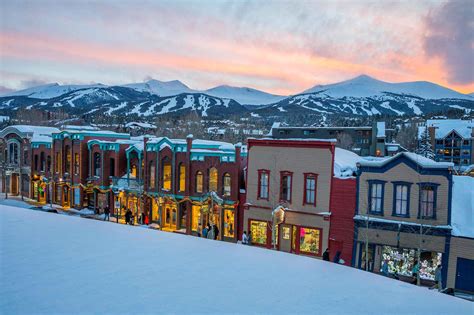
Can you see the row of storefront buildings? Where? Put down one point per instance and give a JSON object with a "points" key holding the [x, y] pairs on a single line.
{"points": [[301, 196]]}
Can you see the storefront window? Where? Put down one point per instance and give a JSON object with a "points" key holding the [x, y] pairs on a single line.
{"points": [[309, 240], [229, 227], [196, 218], [286, 233], [259, 232], [77, 196], [152, 175], [401, 261]]}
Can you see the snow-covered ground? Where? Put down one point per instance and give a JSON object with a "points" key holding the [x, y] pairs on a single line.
{"points": [[52, 263]]}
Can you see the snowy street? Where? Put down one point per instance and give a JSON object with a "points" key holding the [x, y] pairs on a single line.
{"points": [[52, 263]]}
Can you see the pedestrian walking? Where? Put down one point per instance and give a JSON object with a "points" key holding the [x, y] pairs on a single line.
{"points": [[249, 238], [216, 231], [245, 239], [326, 255], [128, 217], [205, 231], [210, 233], [337, 257], [385, 268], [415, 271], [146, 220], [106, 213], [438, 278]]}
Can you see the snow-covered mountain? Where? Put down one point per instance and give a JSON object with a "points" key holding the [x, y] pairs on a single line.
{"points": [[50, 90], [365, 86], [161, 88], [244, 95]]}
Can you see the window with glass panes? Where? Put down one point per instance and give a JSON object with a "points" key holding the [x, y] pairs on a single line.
{"points": [[285, 186], [263, 184], [227, 184], [259, 232], [401, 200], [310, 189], [199, 182], [376, 197], [427, 201]]}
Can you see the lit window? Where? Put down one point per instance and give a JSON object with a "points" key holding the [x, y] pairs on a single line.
{"points": [[167, 176], [229, 227], [133, 172], [152, 175], [263, 184], [97, 164], [310, 189], [428, 201], [182, 177], [285, 186], [196, 218], [309, 241], [68, 159], [259, 232], [76, 163], [213, 179], [227, 184], [199, 182]]}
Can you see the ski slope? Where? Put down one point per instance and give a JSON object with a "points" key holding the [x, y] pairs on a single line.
{"points": [[52, 263]]}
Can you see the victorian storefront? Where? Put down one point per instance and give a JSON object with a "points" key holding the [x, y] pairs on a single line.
{"points": [[189, 184]]}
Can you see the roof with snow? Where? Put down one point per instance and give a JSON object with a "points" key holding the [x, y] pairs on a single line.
{"points": [[28, 131], [443, 127], [418, 159], [135, 124], [462, 207], [345, 163]]}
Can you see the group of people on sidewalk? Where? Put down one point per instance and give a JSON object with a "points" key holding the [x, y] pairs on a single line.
{"points": [[130, 218], [247, 238], [210, 232]]}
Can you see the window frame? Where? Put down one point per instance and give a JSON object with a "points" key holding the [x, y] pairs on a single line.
{"points": [[211, 178], [298, 234], [224, 185], [435, 198], [305, 191], [290, 192], [370, 183], [196, 176], [259, 190], [394, 204], [182, 177]]}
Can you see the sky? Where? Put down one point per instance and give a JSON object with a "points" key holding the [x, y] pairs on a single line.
{"points": [[282, 47]]}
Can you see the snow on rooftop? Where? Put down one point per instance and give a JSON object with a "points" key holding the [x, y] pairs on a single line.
{"points": [[462, 208], [135, 124], [444, 127], [420, 160], [103, 267], [299, 139], [31, 129], [345, 163]]}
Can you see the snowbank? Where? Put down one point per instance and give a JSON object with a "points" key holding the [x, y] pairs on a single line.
{"points": [[63, 264], [462, 207]]}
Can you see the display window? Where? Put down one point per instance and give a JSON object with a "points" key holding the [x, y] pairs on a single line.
{"points": [[401, 261], [259, 232], [229, 226], [310, 240], [196, 218]]}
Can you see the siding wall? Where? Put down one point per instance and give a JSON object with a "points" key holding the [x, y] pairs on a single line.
{"points": [[460, 247]]}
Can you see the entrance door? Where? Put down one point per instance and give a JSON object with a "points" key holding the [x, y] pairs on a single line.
{"points": [[14, 184], [464, 274], [370, 257], [285, 237], [170, 218]]}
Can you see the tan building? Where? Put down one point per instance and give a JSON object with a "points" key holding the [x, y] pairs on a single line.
{"points": [[297, 175], [404, 206]]}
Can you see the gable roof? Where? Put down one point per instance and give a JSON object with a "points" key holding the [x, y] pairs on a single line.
{"points": [[419, 160]]}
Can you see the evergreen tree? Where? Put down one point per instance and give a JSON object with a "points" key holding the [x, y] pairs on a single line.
{"points": [[424, 145]]}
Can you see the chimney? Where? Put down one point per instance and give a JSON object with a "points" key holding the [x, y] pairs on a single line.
{"points": [[189, 143], [238, 148]]}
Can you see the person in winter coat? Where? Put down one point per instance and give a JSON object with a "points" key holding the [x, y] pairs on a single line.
{"points": [[249, 238], [415, 271], [106, 213], [245, 239], [337, 257], [326, 255], [385, 268], [216, 231], [128, 214], [146, 220], [438, 278], [210, 233], [205, 231]]}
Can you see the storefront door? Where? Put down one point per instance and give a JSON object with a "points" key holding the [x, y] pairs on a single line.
{"points": [[14, 184], [285, 237], [170, 217]]}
